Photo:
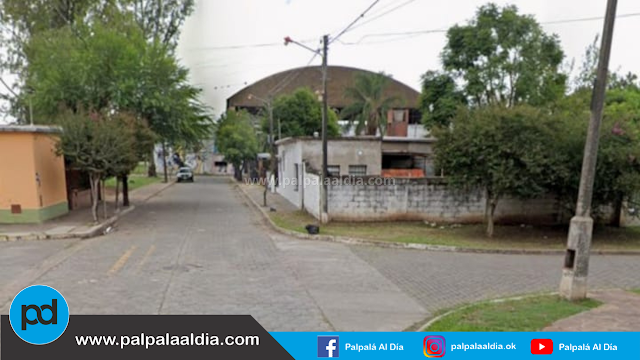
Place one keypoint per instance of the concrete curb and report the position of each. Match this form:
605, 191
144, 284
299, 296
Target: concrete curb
493, 301
414, 246
91, 232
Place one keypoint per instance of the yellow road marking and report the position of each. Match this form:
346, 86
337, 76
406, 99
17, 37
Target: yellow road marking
145, 257
122, 260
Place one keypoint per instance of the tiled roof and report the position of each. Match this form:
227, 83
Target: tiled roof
338, 79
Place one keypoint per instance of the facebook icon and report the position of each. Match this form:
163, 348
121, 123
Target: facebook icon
328, 346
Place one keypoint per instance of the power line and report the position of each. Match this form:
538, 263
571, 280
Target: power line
404, 33
262, 45
384, 13
566, 21
355, 21
246, 46
292, 76
431, 31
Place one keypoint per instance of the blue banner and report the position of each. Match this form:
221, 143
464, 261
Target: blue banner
458, 345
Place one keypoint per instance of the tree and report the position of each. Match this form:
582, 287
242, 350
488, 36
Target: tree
440, 99
300, 114
114, 69
504, 58
587, 73
144, 140
236, 139
617, 178
160, 20
369, 105
502, 151
97, 145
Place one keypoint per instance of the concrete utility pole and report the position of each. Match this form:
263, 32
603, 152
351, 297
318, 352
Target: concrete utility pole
272, 150
324, 214
324, 217
573, 285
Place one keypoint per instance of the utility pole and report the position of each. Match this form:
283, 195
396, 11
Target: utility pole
573, 285
272, 147
324, 213
324, 216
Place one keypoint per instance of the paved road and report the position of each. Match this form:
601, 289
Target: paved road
200, 249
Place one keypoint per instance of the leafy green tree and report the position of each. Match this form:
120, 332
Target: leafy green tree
369, 105
300, 114
440, 99
617, 178
505, 58
502, 151
96, 145
236, 139
116, 70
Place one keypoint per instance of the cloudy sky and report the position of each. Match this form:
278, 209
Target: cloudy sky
230, 43
219, 25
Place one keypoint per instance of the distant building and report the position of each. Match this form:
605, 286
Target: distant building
363, 156
404, 119
32, 177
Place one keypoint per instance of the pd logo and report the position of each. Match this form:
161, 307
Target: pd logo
434, 346
39, 314
328, 346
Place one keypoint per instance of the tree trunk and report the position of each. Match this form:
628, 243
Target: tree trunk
237, 172
151, 169
104, 200
117, 193
93, 182
125, 190
490, 209
164, 162
616, 218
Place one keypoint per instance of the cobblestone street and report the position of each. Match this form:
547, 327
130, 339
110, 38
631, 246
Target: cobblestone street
202, 249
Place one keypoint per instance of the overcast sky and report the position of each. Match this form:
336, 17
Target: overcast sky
220, 23
224, 23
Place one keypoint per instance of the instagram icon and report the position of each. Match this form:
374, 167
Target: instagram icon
434, 346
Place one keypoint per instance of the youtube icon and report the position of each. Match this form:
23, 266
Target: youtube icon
542, 346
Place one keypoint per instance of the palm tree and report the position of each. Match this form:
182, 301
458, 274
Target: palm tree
370, 106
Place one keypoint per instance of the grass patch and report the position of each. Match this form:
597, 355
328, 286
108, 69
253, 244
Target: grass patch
465, 236
141, 169
528, 314
637, 291
135, 182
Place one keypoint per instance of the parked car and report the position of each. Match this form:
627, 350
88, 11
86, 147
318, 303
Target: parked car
184, 174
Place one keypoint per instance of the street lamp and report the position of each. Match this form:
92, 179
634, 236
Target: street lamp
324, 213
268, 103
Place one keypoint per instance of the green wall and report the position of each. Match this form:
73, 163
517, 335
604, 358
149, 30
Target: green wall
30, 216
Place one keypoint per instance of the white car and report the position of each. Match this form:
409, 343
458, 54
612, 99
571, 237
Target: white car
184, 174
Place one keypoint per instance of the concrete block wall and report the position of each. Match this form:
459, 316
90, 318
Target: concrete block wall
422, 199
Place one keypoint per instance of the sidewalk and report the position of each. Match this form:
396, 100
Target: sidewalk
78, 223
274, 200
620, 311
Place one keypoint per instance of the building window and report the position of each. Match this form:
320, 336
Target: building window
296, 185
333, 170
357, 170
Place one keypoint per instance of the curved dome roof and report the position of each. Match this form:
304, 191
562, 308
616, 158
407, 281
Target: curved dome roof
338, 79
